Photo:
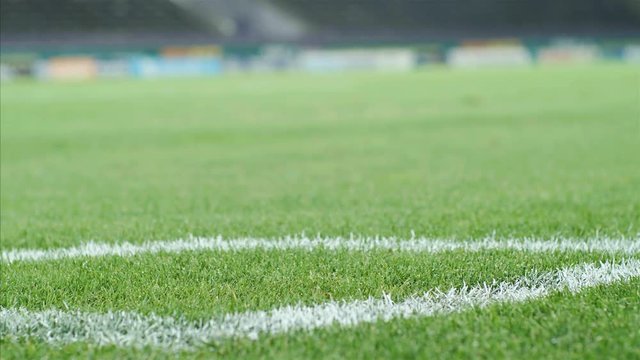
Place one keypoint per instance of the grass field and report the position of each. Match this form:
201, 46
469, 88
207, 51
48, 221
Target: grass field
533, 175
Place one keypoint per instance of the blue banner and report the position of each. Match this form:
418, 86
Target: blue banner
158, 67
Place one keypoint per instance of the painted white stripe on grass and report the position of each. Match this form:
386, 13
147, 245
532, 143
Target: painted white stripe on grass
93, 249
126, 329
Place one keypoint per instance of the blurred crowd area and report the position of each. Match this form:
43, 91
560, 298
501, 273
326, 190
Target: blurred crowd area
86, 39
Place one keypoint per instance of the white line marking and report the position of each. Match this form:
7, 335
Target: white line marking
127, 329
93, 249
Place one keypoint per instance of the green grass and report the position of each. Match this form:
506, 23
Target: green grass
458, 154
595, 324
203, 285
520, 152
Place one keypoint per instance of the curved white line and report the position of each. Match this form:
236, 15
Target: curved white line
127, 329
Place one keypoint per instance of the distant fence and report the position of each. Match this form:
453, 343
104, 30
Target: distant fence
199, 60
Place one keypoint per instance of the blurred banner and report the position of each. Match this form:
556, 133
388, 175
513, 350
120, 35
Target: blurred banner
184, 66
210, 59
356, 59
569, 53
191, 51
489, 53
631, 54
68, 68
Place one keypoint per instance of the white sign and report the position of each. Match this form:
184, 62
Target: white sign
356, 59
493, 55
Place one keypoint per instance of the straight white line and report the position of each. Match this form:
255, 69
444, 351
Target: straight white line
94, 249
127, 329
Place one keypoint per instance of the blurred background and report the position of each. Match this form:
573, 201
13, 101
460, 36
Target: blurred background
84, 39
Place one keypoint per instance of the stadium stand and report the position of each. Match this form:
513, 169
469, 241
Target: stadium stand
334, 16
470, 14
38, 16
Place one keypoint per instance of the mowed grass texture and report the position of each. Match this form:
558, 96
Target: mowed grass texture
594, 324
536, 152
202, 285
527, 152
